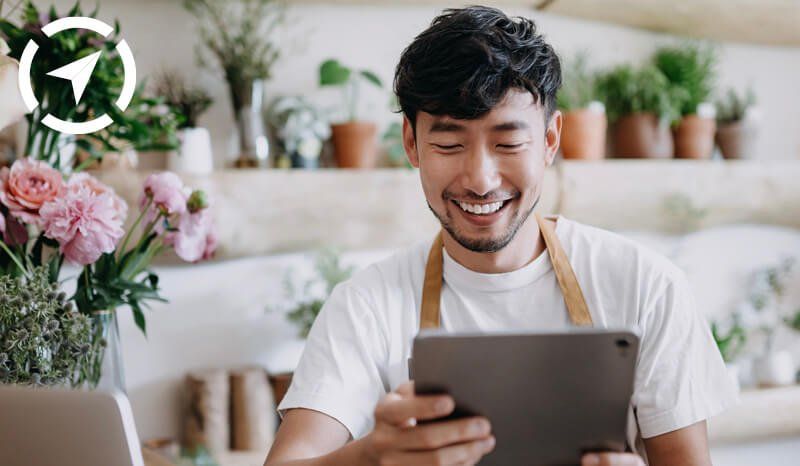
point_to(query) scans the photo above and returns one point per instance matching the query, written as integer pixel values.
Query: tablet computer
(551, 397)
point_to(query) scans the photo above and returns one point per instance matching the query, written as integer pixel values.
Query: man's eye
(511, 146)
(447, 146)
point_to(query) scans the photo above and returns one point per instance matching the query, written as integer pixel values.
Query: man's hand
(398, 440)
(611, 459)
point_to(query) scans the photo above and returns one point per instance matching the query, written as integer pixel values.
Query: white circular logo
(78, 73)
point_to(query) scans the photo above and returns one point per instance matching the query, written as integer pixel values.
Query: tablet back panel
(550, 397)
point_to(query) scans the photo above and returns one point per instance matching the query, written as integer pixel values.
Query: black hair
(469, 58)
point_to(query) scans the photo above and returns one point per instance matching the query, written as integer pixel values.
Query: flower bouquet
(47, 219)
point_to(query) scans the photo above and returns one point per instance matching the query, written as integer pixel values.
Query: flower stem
(14, 258)
(134, 226)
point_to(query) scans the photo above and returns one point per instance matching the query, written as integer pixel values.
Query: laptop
(46, 427)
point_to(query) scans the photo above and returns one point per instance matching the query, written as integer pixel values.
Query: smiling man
(477, 90)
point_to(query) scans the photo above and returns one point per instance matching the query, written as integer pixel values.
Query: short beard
(485, 245)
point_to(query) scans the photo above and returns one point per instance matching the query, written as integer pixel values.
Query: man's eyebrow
(511, 126)
(446, 127)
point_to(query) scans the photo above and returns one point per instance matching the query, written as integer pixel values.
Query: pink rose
(27, 186)
(93, 184)
(195, 238)
(167, 192)
(86, 224)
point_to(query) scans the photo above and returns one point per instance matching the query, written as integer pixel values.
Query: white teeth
(481, 209)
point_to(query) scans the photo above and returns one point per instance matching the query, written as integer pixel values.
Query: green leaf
(333, 73)
(138, 317)
(372, 77)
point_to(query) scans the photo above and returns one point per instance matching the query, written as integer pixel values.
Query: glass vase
(107, 371)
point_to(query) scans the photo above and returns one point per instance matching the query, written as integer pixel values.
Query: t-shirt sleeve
(680, 378)
(339, 373)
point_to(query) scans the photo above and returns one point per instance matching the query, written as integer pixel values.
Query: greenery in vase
(140, 126)
(733, 106)
(188, 100)
(626, 90)
(730, 341)
(43, 340)
(309, 301)
(334, 73)
(579, 88)
(300, 125)
(238, 36)
(690, 68)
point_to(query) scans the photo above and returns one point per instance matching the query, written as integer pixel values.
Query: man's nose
(480, 173)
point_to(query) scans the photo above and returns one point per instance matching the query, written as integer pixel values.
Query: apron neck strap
(573, 296)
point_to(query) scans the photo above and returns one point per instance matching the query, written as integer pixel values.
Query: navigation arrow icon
(78, 72)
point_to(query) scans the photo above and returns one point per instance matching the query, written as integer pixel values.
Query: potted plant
(690, 68)
(583, 135)
(301, 128)
(737, 126)
(763, 314)
(194, 155)
(239, 37)
(641, 105)
(354, 141)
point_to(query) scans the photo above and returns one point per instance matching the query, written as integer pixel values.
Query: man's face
(483, 177)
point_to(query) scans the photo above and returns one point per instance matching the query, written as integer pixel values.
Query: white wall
(162, 34)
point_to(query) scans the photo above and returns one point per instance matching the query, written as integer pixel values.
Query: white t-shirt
(359, 346)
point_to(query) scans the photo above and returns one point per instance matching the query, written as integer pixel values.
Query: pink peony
(84, 179)
(195, 238)
(86, 224)
(27, 186)
(167, 192)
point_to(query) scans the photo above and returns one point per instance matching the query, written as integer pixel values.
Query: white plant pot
(775, 369)
(194, 156)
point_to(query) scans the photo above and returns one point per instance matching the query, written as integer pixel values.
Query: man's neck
(526, 246)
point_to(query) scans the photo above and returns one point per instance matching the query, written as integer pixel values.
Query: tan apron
(573, 296)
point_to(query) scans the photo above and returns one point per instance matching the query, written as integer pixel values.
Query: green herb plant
(733, 106)
(626, 90)
(189, 101)
(579, 87)
(691, 69)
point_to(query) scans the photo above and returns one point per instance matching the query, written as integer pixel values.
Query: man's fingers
(396, 410)
(406, 388)
(611, 459)
(464, 453)
(442, 434)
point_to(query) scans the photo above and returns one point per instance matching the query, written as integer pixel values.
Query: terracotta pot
(642, 135)
(737, 140)
(694, 137)
(355, 144)
(583, 135)
(280, 385)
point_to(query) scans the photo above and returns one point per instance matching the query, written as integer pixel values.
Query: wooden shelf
(763, 413)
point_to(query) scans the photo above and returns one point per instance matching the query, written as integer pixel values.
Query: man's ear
(410, 143)
(552, 137)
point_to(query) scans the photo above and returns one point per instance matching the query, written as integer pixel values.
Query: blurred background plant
(334, 73)
(579, 87)
(689, 68)
(733, 105)
(238, 37)
(186, 99)
(626, 90)
(307, 300)
(301, 126)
